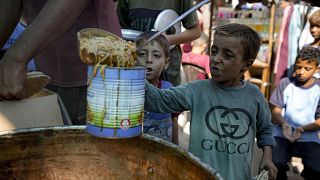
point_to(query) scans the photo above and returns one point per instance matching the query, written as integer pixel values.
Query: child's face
(304, 71)
(226, 62)
(315, 31)
(153, 58)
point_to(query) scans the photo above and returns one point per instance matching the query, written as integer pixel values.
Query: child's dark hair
(249, 39)
(161, 39)
(310, 54)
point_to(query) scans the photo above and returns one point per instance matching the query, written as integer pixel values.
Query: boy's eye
(305, 68)
(157, 55)
(141, 54)
(229, 55)
(214, 51)
(297, 67)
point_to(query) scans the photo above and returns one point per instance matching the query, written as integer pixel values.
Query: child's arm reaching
(267, 164)
(170, 100)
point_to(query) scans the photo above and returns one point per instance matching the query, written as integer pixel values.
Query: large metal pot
(71, 153)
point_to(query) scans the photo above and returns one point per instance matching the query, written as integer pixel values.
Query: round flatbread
(35, 82)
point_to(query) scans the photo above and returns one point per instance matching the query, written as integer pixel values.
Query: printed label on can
(125, 124)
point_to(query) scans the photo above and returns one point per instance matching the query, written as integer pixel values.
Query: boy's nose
(215, 58)
(301, 72)
(149, 58)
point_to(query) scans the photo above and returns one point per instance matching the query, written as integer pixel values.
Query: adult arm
(10, 12)
(190, 23)
(186, 36)
(55, 18)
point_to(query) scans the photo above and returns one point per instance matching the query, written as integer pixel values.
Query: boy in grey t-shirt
(227, 113)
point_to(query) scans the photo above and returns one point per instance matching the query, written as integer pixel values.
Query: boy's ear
(247, 65)
(166, 63)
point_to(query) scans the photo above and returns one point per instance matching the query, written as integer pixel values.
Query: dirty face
(226, 60)
(152, 56)
(304, 71)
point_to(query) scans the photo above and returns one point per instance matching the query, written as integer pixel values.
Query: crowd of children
(229, 113)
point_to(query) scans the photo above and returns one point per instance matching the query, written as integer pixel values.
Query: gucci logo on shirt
(228, 122)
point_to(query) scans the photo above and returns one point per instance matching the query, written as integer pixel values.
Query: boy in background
(314, 21)
(141, 15)
(195, 55)
(227, 113)
(295, 107)
(155, 57)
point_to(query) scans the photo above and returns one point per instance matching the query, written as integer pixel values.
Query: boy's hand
(297, 133)
(267, 164)
(287, 131)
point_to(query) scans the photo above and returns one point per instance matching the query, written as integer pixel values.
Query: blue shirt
(159, 124)
(13, 37)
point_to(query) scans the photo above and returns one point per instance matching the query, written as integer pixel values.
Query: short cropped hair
(249, 38)
(161, 39)
(315, 18)
(310, 54)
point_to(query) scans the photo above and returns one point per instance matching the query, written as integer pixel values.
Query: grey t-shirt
(224, 122)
